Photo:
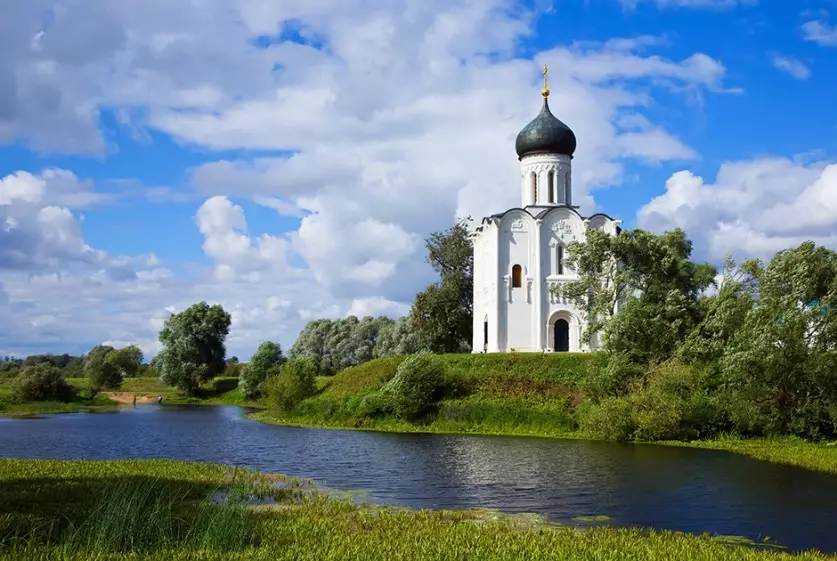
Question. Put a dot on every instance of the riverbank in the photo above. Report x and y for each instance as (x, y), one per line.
(220, 391)
(525, 394)
(77, 510)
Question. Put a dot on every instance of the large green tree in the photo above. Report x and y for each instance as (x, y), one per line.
(193, 346)
(780, 363)
(650, 279)
(442, 315)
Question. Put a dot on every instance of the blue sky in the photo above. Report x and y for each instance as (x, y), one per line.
(288, 161)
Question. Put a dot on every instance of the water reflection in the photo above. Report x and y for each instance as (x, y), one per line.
(674, 488)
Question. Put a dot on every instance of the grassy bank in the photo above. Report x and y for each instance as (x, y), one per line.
(509, 394)
(220, 391)
(519, 394)
(169, 510)
(815, 456)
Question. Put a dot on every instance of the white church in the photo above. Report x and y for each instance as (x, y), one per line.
(519, 254)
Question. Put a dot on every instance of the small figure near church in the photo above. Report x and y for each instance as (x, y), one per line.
(520, 254)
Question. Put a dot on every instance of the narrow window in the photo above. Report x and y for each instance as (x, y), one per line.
(560, 259)
(517, 276)
(534, 188)
(551, 186)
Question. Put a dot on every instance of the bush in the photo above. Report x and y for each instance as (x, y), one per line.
(609, 376)
(373, 405)
(657, 416)
(612, 419)
(289, 384)
(418, 383)
(41, 382)
(264, 361)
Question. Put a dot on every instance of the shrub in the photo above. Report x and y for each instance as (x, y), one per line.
(609, 376)
(264, 361)
(373, 405)
(41, 382)
(289, 384)
(657, 415)
(612, 419)
(418, 383)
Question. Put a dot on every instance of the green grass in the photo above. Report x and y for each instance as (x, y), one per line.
(518, 394)
(815, 456)
(156, 509)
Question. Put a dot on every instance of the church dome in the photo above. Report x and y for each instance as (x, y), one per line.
(546, 134)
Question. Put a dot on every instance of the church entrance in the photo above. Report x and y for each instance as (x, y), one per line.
(562, 336)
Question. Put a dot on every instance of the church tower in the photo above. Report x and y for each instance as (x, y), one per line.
(545, 149)
(520, 254)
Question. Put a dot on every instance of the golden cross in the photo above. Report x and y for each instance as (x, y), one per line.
(545, 91)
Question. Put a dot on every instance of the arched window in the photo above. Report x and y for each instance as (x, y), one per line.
(559, 258)
(517, 276)
(550, 185)
(534, 188)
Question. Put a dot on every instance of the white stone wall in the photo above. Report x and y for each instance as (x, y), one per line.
(546, 179)
(524, 318)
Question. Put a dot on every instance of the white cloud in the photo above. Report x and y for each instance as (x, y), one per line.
(821, 32)
(236, 254)
(377, 306)
(792, 66)
(753, 208)
(404, 120)
(38, 230)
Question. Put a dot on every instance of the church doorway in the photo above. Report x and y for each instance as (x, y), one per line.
(562, 336)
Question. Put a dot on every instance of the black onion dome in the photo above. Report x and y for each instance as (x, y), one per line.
(546, 134)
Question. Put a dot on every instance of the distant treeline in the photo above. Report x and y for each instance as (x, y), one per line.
(72, 366)
(336, 344)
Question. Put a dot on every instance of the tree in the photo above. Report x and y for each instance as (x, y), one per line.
(128, 360)
(397, 338)
(289, 384)
(780, 364)
(41, 382)
(255, 373)
(649, 279)
(106, 367)
(334, 345)
(442, 314)
(193, 346)
(101, 372)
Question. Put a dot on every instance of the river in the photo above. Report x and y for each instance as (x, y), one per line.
(635, 485)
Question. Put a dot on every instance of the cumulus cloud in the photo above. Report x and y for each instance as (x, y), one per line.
(374, 123)
(38, 230)
(792, 66)
(753, 208)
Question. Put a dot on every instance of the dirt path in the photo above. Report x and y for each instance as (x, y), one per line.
(128, 397)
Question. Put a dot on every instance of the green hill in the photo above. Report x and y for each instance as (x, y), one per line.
(521, 393)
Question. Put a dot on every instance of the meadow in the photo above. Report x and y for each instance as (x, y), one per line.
(160, 509)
